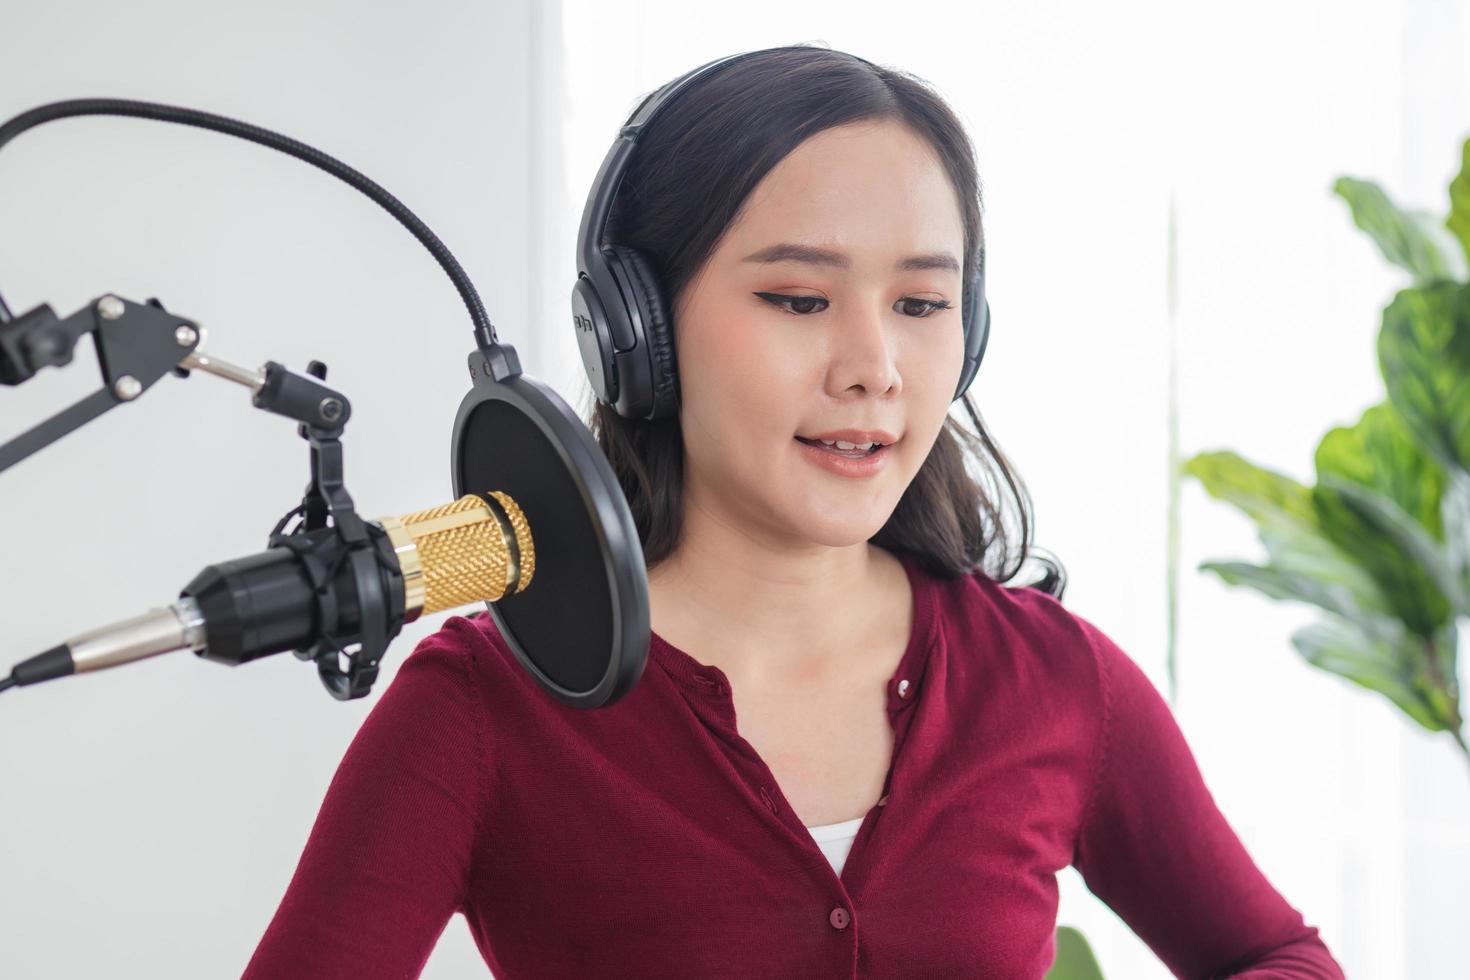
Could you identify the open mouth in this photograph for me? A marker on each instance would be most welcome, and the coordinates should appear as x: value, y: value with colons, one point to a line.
x: 849, y: 453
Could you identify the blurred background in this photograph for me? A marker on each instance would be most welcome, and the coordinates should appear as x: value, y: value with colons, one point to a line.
x: 152, y: 816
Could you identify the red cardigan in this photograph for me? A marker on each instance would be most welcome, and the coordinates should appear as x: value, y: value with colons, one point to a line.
x: 648, y: 839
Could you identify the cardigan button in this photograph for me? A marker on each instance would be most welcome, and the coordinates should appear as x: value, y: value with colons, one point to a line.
x: 883, y: 800
x: 839, y: 918
x: 903, y: 688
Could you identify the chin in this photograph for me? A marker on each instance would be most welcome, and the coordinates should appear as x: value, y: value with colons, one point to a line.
x: 837, y: 531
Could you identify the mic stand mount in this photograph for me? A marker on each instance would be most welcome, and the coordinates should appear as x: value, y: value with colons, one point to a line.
x: 137, y: 343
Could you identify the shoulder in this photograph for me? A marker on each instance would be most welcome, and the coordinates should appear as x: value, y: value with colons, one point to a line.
x: 463, y: 668
x: 475, y: 643
x: 1030, y: 674
x: 1070, y: 668
x: 1027, y: 632
x: 507, y: 690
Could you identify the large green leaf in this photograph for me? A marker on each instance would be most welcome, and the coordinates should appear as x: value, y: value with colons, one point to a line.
x: 1445, y: 693
x: 1424, y: 354
x: 1074, y: 959
x: 1400, y: 671
x: 1404, y: 582
x: 1263, y: 494
x: 1380, y: 454
x: 1455, y: 508
x: 1287, y: 522
x: 1459, y: 220
x: 1325, y: 593
x: 1409, y: 536
x: 1413, y: 240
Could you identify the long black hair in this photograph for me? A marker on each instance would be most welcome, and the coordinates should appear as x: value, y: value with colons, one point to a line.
x: 685, y: 184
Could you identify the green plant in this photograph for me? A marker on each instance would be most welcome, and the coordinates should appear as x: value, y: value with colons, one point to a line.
x: 1074, y: 958
x: 1381, y: 543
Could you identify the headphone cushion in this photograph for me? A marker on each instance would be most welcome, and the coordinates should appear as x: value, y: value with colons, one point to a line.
x: 658, y: 334
x: 976, y: 321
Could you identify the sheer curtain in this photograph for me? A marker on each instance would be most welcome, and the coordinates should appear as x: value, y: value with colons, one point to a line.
x: 1089, y: 122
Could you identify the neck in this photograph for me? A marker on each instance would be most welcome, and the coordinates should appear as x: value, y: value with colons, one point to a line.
x: 763, y: 611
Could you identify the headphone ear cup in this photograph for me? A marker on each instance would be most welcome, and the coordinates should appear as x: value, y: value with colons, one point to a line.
x: 657, y: 336
x: 977, y: 329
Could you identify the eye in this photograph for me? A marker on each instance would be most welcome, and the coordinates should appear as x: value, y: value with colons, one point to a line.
x: 778, y: 299
x: 928, y: 307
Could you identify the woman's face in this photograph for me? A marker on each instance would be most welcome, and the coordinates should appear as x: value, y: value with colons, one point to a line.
x: 772, y: 348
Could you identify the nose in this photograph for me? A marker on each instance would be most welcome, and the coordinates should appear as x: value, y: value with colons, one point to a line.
x: 863, y: 353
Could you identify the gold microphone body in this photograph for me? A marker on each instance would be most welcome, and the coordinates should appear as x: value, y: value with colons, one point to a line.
x: 461, y: 553
x: 477, y: 549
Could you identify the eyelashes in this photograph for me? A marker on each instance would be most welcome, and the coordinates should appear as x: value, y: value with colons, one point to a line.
x: 781, y: 300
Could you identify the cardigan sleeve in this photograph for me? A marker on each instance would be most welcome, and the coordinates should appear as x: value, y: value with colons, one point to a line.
x: 1154, y: 846
x: 387, y: 862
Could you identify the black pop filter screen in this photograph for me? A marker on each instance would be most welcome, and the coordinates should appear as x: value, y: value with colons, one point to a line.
x: 581, y: 626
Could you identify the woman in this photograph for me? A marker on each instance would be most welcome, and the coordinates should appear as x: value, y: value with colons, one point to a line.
x: 854, y: 751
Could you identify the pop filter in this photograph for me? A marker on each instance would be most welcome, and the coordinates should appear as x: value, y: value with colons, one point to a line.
x: 581, y: 627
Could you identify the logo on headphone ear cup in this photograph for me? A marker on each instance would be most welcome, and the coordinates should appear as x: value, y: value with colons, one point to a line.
x: 593, y: 340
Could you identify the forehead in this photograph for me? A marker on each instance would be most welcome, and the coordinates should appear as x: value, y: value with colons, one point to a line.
x: 873, y: 188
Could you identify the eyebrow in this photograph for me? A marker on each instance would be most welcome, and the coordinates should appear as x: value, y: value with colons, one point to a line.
x: 814, y: 255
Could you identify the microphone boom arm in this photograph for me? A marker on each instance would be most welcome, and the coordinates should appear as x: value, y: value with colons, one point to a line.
x: 137, y: 343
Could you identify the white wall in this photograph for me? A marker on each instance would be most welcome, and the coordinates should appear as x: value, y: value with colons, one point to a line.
x: 152, y: 815
x: 1087, y: 118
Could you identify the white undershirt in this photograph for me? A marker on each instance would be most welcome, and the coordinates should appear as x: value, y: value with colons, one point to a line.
x: 835, y: 840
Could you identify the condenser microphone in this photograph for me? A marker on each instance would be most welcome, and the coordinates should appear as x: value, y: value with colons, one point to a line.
x: 582, y: 632
x: 477, y: 549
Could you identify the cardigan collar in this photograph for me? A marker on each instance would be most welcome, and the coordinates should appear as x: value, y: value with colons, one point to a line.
x: 903, y: 686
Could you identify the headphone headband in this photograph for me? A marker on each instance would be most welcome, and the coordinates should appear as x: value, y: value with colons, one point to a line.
x: 593, y: 227
x: 624, y: 330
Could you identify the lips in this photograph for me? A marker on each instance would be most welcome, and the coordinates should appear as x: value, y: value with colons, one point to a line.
x: 858, y: 436
x: 847, y: 463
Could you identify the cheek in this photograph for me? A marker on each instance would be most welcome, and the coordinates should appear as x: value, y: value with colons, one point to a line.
x: 930, y: 381
x: 944, y: 354
x: 733, y: 370
x: 931, y: 369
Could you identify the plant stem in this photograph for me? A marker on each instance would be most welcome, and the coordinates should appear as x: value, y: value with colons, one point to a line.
x: 1436, y: 676
x: 1171, y: 648
x: 1460, y: 741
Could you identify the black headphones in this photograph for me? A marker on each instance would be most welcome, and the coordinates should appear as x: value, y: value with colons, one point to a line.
x: 624, y: 329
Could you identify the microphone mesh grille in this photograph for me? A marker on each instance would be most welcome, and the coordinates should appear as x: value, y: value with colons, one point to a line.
x: 468, y: 560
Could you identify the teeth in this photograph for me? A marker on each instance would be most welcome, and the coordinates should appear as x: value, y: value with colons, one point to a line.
x: 839, y: 444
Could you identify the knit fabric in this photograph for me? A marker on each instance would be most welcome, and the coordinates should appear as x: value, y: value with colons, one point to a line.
x: 648, y: 839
